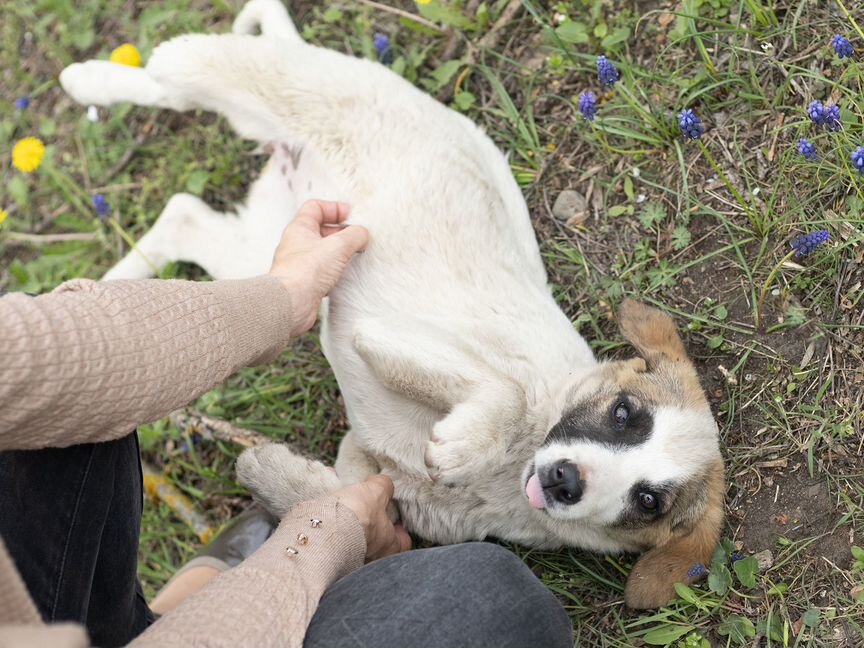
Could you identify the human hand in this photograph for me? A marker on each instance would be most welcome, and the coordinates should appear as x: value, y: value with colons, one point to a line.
x: 314, y: 251
x: 368, y: 500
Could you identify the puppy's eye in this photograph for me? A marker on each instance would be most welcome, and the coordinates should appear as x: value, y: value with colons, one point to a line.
x: 620, y: 414
x: 647, y: 501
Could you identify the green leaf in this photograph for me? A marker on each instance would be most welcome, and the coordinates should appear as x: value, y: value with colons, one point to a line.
x: 746, y: 570
x: 628, y: 188
x: 18, y: 191
x: 680, y: 237
x: 686, y: 593
x: 84, y: 38
x: 332, y: 15
x: 737, y: 628
x: 652, y: 213
x: 196, y: 182
x: 715, y: 342
x: 811, y: 618
x: 858, y: 553
x: 719, y: 579
x: 720, y: 312
x: 600, y: 30
x: 573, y: 32
x: 617, y: 37
x: 464, y: 100
x: 665, y: 634
x: 618, y: 210
x: 442, y: 75
x: 774, y: 631
x: 779, y: 588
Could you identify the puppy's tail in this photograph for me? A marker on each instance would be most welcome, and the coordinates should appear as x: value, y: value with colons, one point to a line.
x: 268, y: 16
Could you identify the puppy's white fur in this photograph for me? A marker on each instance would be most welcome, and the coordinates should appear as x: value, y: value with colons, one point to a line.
x: 453, y: 357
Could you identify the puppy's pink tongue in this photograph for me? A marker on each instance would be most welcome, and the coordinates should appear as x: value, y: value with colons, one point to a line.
x: 534, y: 491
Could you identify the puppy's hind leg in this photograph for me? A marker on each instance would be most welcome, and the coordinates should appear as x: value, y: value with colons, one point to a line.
x: 188, y: 230
x: 269, y: 16
x: 279, y: 479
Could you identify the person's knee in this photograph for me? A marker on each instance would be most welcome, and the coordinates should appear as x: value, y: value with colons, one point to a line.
x: 513, y: 591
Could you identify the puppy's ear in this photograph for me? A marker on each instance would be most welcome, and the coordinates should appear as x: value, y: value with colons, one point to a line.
x: 652, y: 580
x: 651, y: 332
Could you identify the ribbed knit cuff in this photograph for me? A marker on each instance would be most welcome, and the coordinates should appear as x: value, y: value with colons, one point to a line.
x: 259, y: 315
x: 328, y: 540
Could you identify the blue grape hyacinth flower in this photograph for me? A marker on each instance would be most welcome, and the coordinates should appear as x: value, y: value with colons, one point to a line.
x: 826, y: 116
x: 832, y: 118
x: 22, y: 103
x: 606, y: 71
x: 691, y: 125
x: 842, y: 46
x: 382, y: 47
x: 806, y: 243
x: 816, y: 111
x: 807, y: 149
x: 858, y: 159
x: 697, y: 571
x: 103, y: 209
x: 588, y: 105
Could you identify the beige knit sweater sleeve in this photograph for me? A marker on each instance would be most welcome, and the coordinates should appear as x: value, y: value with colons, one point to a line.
x: 269, y: 599
x: 92, y: 360
x: 88, y: 363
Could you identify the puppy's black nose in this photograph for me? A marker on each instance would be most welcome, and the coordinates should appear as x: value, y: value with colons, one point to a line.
x: 561, y: 481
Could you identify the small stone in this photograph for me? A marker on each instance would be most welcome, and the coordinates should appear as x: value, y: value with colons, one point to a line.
x: 568, y: 204
x: 302, y: 538
x: 765, y: 560
x: 316, y: 523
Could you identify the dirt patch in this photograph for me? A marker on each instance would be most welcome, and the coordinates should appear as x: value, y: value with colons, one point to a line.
x: 791, y: 505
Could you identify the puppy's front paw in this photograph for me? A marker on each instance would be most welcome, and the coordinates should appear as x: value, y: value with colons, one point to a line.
x: 456, y: 456
x: 280, y: 479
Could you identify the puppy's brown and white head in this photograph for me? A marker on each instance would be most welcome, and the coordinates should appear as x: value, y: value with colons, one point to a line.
x: 633, y: 454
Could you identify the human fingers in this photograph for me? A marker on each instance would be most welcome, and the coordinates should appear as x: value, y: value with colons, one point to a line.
x: 351, y: 240
x: 319, y: 213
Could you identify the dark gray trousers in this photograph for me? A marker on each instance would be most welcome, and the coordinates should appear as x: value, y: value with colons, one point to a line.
x: 475, y: 595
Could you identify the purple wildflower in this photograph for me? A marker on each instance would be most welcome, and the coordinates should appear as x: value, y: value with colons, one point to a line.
x: 103, y: 209
x: 382, y: 47
x: 832, y: 118
x: 697, y: 571
x: 842, y: 46
x: 806, y: 243
x: 807, y: 149
x: 826, y: 116
x: 606, y: 71
x: 816, y: 111
x: 588, y: 105
x: 735, y: 557
x: 691, y: 125
x: 858, y: 158
x: 22, y: 103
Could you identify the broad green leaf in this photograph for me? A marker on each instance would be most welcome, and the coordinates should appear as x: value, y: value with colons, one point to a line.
x: 442, y: 75
x: 573, y: 32
x: 196, y: 182
x: 719, y: 579
x: 18, y: 191
x: 665, y: 634
x: 746, y: 570
x: 811, y: 618
x: 618, y: 210
x: 686, y: 593
x: 738, y: 628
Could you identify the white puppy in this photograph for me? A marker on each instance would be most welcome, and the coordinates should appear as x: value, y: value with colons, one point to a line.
x: 462, y: 378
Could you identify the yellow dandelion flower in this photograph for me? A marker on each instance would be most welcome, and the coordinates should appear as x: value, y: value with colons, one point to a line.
x: 3, y: 215
x: 126, y: 54
x: 423, y: 1
x: 27, y: 154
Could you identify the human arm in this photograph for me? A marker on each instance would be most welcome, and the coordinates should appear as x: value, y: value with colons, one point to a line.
x: 269, y: 599
x: 92, y: 360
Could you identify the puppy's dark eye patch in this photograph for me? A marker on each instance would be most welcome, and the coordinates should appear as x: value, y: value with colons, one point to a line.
x: 619, y: 422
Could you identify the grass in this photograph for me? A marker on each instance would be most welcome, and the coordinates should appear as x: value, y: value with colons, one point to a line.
x: 698, y: 228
